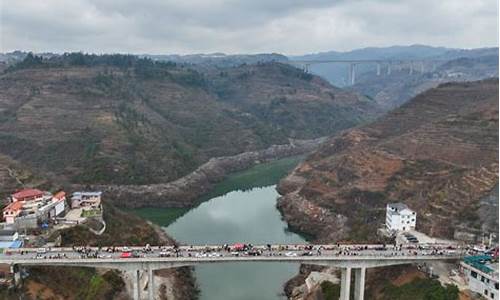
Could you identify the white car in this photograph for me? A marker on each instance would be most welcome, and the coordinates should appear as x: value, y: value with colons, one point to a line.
x: 291, y: 254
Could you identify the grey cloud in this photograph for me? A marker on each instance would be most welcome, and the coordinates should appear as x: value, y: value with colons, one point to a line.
x: 288, y: 26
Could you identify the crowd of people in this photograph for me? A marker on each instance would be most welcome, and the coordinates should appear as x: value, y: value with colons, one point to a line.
x: 241, y: 249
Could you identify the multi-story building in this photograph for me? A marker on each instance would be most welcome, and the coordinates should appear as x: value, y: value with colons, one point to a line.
x: 481, y: 275
x: 400, y: 218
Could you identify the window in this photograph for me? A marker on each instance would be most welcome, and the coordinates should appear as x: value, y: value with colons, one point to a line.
x: 482, y: 278
x: 486, y: 292
x: 496, y: 285
x: 473, y: 274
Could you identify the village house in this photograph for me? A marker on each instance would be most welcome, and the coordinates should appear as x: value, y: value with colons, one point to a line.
x: 12, y: 211
x: 91, y: 200
x: 27, y: 195
x: 400, y: 218
x: 32, y: 204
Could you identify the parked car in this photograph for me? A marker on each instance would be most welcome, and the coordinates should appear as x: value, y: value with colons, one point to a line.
x: 126, y: 255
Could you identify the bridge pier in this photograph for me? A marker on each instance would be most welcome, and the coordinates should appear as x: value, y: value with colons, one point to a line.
x: 16, y: 270
x: 151, y: 287
x: 378, y: 69
x: 411, y: 68
x: 352, y: 74
x: 359, y: 283
x: 136, y: 284
x: 345, y: 283
x: 389, y: 71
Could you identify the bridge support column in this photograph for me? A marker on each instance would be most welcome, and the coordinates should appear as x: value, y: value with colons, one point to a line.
x: 16, y: 270
x: 151, y: 287
x: 345, y: 283
x: 378, y: 69
x: 359, y: 283
x: 352, y: 74
x: 136, y: 284
x: 389, y: 71
x: 411, y: 68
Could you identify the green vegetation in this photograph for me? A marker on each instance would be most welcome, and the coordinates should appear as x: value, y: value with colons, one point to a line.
x: 121, y: 229
x: 160, y: 216
x: 80, y: 283
x: 330, y: 291
x: 91, y: 213
x: 421, y: 289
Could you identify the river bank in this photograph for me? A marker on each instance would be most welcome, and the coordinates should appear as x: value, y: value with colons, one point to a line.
x: 186, y: 191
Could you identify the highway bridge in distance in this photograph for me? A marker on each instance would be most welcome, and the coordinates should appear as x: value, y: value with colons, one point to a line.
x: 409, y: 64
x: 141, y: 260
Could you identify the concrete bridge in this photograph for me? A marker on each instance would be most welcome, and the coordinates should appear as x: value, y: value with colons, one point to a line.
x: 144, y: 260
x: 388, y: 64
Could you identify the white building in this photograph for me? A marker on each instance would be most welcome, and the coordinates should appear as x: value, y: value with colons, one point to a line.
x: 86, y: 200
x: 482, y: 278
x: 399, y: 217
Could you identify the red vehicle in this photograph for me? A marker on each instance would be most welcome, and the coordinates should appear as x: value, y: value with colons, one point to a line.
x: 126, y: 255
x: 238, y: 247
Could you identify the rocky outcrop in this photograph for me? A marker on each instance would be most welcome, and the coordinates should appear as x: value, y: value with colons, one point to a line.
x: 185, y: 191
x: 438, y: 153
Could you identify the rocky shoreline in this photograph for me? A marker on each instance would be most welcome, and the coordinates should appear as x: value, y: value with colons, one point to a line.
x: 185, y: 191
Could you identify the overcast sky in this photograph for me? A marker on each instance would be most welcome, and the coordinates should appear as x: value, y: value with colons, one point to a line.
x: 237, y: 26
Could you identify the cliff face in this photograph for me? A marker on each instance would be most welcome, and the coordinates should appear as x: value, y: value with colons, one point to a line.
x: 438, y: 153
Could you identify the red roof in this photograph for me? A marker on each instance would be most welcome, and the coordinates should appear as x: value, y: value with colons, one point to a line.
x: 60, y: 195
x: 27, y: 193
x: 14, y: 206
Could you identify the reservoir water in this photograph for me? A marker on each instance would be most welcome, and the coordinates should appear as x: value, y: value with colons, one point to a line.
x: 243, y: 210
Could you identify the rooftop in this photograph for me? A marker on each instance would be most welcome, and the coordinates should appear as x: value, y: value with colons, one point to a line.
x: 9, y: 232
x: 398, y: 206
x: 60, y: 195
x: 14, y: 206
x: 27, y: 193
x: 483, y: 263
x: 79, y: 194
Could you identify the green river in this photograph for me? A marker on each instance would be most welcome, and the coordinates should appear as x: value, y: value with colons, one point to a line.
x: 240, y: 209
